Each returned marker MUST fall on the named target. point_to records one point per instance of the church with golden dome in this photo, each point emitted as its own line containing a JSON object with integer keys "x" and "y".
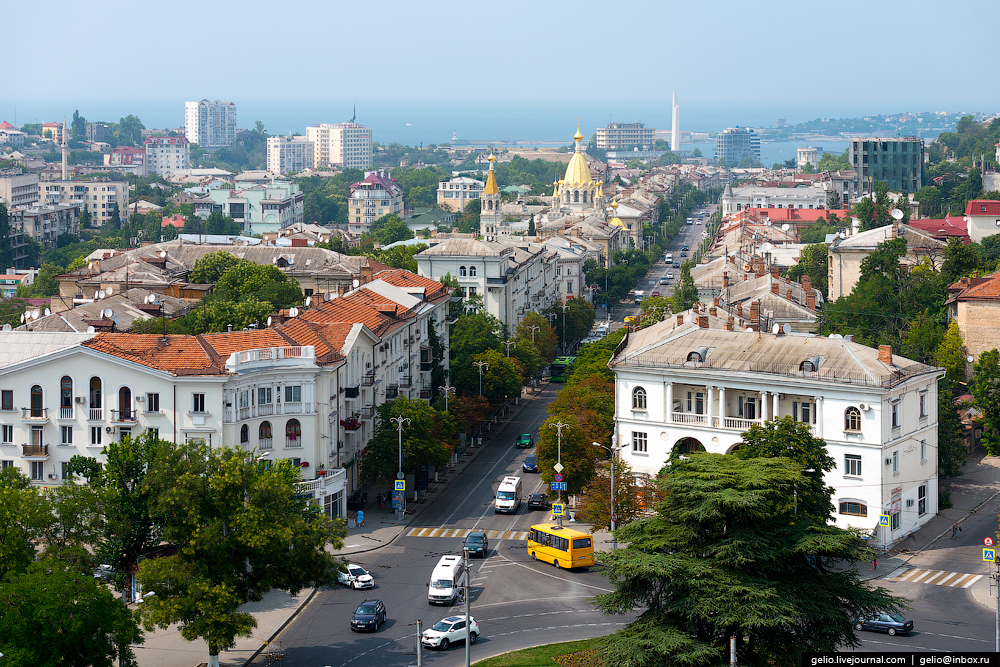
{"x": 578, "y": 192}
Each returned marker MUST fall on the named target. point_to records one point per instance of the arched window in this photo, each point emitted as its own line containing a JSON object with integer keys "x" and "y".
{"x": 66, "y": 393}
{"x": 853, "y": 507}
{"x": 244, "y": 434}
{"x": 36, "y": 401}
{"x": 638, "y": 398}
{"x": 576, "y": 196}
{"x": 125, "y": 404}
{"x": 807, "y": 366}
{"x": 95, "y": 398}
{"x": 293, "y": 433}
{"x": 461, "y": 272}
{"x": 264, "y": 435}
{"x": 695, "y": 356}
{"x": 852, "y": 419}
{"x": 472, "y": 272}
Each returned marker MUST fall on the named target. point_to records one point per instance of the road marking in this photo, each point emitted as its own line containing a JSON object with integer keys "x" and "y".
{"x": 936, "y": 577}
{"x": 520, "y": 535}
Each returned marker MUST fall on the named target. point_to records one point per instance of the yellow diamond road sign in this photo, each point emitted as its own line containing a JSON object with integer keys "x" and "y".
{"x": 400, "y": 485}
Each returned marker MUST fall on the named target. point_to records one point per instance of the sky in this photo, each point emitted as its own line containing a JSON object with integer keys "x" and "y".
{"x": 498, "y": 66}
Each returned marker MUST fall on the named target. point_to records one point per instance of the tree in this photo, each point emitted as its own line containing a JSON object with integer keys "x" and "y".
{"x": 473, "y": 334}
{"x": 24, "y": 517}
{"x": 220, "y": 224}
{"x": 951, "y": 431}
{"x": 986, "y": 392}
{"x": 725, "y": 556}
{"x": 44, "y": 284}
{"x": 596, "y": 507}
{"x": 249, "y": 281}
{"x": 959, "y": 260}
{"x": 833, "y": 201}
{"x": 6, "y": 249}
{"x": 578, "y": 455}
{"x": 531, "y": 226}
{"x": 116, "y": 218}
{"x": 209, "y": 268}
{"x": 426, "y": 440}
{"x": 930, "y": 201}
{"x": 592, "y": 400}
{"x": 814, "y": 263}
{"x": 219, "y": 315}
{"x": 391, "y": 228}
{"x": 951, "y": 354}
{"x": 79, "y": 126}
{"x": 241, "y": 530}
{"x": 696, "y": 153}
{"x": 685, "y": 293}
{"x": 544, "y": 338}
{"x": 130, "y": 130}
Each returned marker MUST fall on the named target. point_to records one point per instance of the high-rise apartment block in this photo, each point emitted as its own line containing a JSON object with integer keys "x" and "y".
{"x": 289, "y": 155}
{"x": 618, "y": 136}
{"x": 167, "y": 155}
{"x": 97, "y": 197}
{"x": 344, "y": 145}
{"x": 18, "y": 188}
{"x": 210, "y": 124}
{"x": 896, "y": 161}
{"x": 735, "y": 143}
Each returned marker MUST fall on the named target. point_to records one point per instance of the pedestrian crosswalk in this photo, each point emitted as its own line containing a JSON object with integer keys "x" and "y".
{"x": 462, "y": 532}
{"x": 937, "y": 578}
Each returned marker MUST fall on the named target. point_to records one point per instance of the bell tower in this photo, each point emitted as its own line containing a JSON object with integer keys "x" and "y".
{"x": 490, "y": 217}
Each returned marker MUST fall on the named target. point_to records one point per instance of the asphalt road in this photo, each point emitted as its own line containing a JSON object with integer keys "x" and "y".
{"x": 517, "y": 601}
{"x": 689, "y": 235}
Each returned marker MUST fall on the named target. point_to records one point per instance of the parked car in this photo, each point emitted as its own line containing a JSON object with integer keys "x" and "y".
{"x": 449, "y": 630}
{"x": 477, "y": 543}
{"x": 356, "y": 577}
{"x": 530, "y": 464}
{"x": 368, "y": 616}
{"x": 538, "y": 501}
{"x": 524, "y": 441}
{"x": 891, "y": 623}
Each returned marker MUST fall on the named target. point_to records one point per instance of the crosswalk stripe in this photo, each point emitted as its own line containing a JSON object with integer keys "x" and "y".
{"x": 938, "y": 578}
{"x": 973, "y": 580}
{"x": 516, "y": 535}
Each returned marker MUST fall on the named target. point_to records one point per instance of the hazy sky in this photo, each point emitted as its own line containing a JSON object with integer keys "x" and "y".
{"x": 749, "y": 59}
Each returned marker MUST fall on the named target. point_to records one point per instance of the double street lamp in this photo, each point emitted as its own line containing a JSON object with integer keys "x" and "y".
{"x": 481, "y": 365}
{"x": 613, "y": 451}
{"x": 447, "y": 389}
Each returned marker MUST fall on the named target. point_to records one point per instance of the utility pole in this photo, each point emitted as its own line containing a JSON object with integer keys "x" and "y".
{"x": 420, "y": 646}
{"x": 564, "y": 307}
{"x": 559, "y": 426}
{"x": 468, "y": 608}
{"x": 401, "y": 510}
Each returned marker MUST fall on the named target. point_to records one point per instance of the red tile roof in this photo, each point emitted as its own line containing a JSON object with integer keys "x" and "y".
{"x": 975, "y": 288}
{"x": 403, "y": 279}
{"x": 226, "y": 343}
{"x": 983, "y": 207}
{"x": 6, "y": 126}
{"x": 179, "y": 355}
{"x": 176, "y": 220}
{"x": 952, "y": 226}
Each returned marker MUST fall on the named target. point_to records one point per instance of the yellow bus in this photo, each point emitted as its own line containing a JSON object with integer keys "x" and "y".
{"x": 561, "y": 546}
{"x": 631, "y": 319}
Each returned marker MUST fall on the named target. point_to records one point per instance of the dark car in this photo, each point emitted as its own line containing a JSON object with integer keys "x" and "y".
{"x": 368, "y": 616}
{"x": 676, "y": 265}
{"x": 524, "y": 441}
{"x": 684, "y": 254}
{"x": 530, "y": 464}
{"x": 891, "y": 623}
{"x": 477, "y": 543}
{"x": 684, "y": 248}
{"x": 538, "y": 501}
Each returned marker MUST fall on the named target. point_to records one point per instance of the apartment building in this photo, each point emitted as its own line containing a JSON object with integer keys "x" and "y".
{"x": 259, "y": 208}
{"x": 127, "y": 159}
{"x": 683, "y": 387}
{"x": 210, "y": 124}
{"x": 456, "y": 193}
{"x": 18, "y": 188}
{"x": 896, "y": 161}
{"x": 752, "y": 196}
{"x": 56, "y": 131}
{"x": 167, "y": 155}
{"x": 344, "y": 145}
{"x": 620, "y": 136}
{"x": 289, "y": 155}
{"x": 370, "y": 199}
{"x": 735, "y": 143}
{"x": 98, "y": 132}
{"x": 97, "y": 197}
{"x": 44, "y": 223}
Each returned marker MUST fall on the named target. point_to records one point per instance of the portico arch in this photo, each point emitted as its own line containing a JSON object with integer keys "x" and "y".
{"x": 688, "y": 445}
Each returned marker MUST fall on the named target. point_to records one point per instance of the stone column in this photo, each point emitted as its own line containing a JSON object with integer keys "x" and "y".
{"x": 819, "y": 416}
{"x": 710, "y": 391}
{"x": 775, "y": 407}
{"x": 763, "y": 407}
{"x": 668, "y": 392}
{"x": 722, "y": 407}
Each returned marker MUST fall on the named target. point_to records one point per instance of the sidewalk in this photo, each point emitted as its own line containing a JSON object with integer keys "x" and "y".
{"x": 166, "y": 648}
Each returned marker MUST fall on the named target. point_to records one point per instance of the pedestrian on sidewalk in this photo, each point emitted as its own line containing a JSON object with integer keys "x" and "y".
{"x": 875, "y": 562}
{"x": 378, "y": 501}
{"x": 954, "y": 530}
{"x": 361, "y": 518}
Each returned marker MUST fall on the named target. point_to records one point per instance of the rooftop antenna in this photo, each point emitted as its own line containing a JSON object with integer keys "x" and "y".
{"x": 355, "y": 114}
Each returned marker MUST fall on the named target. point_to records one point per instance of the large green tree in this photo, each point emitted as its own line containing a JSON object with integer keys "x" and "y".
{"x": 534, "y": 329}
{"x": 578, "y": 456}
{"x": 240, "y": 529}
{"x": 390, "y": 228}
{"x": 596, "y": 508}
{"x": 24, "y": 517}
{"x": 426, "y": 440}
{"x": 685, "y": 293}
{"x": 724, "y": 556}
{"x": 814, "y": 263}
{"x": 209, "y": 268}
{"x": 986, "y": 392}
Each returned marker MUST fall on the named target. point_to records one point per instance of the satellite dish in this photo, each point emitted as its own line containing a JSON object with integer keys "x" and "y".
{"x": 268, "y": 320}
{"x": 897, "y": 214}
{"x": 163, "y": 253}
{"x": 111, "y": 290}
{"x": 117, "y": 320}
{"x": 47, "y": 312}
{"x": 766, "y": 247}
{"x": 91, "y": 330}
{"x": 293, "y": 311}
{"x": 786, "y": 328}
{"x": 102, "y": 294}
{"x": 96, "y": 296}
{"x": 775, "y": 329}
{"x": 6, "y": 327}
{"x": 327, "y": 296}
{"x": 108, "y": 312}
{"x": 35, "y": 314}
{"x": 767, "y": 223}
{"x": 308, "y": 301}
{"x": 785, "y": 226}
{"x": 22, "y": 318}
{"x": 356, "y": 282}
{"x": 970, "y": 358}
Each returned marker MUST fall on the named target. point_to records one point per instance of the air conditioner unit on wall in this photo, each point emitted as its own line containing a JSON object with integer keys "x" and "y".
{"x": 909, "y": 502}
{"x": 81, "y": 399}
{"x": 110, "y": 429}
{"x": 52, "y": 475}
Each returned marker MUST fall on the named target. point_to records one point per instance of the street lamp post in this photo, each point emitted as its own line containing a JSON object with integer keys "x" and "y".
{"x": 564, "y": 307}
{"x": 401, "y": 510}
{"x": 447, "y": 389}
{"x": 481, "y": 365}
{"x": 614, "y": 517}
{"x": 559, "y": 426}
{"x": 509, "y": 344}
{"x": 533, "y": 328}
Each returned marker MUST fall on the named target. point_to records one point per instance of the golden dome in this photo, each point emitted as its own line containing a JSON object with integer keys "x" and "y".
{"x": 617, "y": 223}
{"x": 578, "y": 136}
{"x": 578, "y": 171}
{"x": 491, "y": 187}
{"x": 491, "y": 158}
{"x": 614, "y": 205}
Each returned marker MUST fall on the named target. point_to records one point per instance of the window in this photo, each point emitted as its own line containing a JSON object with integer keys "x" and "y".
{"x": 923, "y": 403}
{"x": 66, "y": 435}
{"x": 638, "y": 398}
{"x": 264, "y": 396}
{"x": 7, "y": 399}
{"x": 639, "y": 442}
{"x": 806, "y": 412}
{"x": 66, "y": 393}
{"x": 8, "y": 434}
{"x": 153, "y": 433}
{"x": 293, "y": 393}
{"x": 295, "y": 461}
{"x": 462, "y": 272}
{"x": 852, "y": 419}
{"x": 6, "y": 464}
{"x": 152, "y": 402}
{"x": 293, "y": 433}
{"x": 472, "y": 272}
{"x": 699, "y": 403}
{"x": 95, "y": 435}
{"x": 689, "y": 401}
{"x": 198, "y": 403}
{"x": 894, "y": 521}
{"x": 895, "y": 416}
{"x": 36, "y": 401}
{"x": 852, "y": 465}
{"x": 37, "y": 470}
{"x": 921, "y": 500}
{"x": 244, "y": 434}
{"x": 746, "y": 407}
{"x": 66, "y": 474}
{"x": 895, "y": 463}
{"x": 853, "y": 508}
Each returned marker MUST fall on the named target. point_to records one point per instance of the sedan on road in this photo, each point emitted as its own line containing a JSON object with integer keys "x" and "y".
{"x": 891, "y": 623}
{"x": 477, "y": 544}
{"x": 368, "y": 616}
{"x": 530, "y": 464}
{"x": 356, "y": 577}
{"x": 449, "y": 630}
{"x": 524, "y": 441}
{"x": 538, "y": 501}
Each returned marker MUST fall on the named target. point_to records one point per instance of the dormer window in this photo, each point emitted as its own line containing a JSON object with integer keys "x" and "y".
{"x": 810, "y": 365}
{"x": 695, "y": 356}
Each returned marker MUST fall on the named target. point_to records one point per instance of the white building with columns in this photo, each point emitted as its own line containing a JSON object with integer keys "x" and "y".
{"x": 682, "y": 387}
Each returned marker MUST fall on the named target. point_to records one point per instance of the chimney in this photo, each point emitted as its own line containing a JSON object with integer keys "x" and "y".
{"x": 759, "y": 273}
{"x": 695, "y": 307}
{"x": 366, "y": 273}
{"x": 680, "y": 319}
{"x": 885, "y": 354}
{"x": 807, "y": 282}
{"x": 894, "y": 232}
{"x": 703, "y": 321}
{"x": 811, "y": 300}
{"x": 788, "y": 295}
{"x": 739, "y": 309}
{"x": 755, "y": 311}
{"x": 725, "y": 279}
{"x": 774, "y": 272}
{"x": 788, "y": 280}
{"x": 713, "y": 311}
{"x": 729, "y": 324}
{"x": 718, "y": 301}
{"x": 774, "y": 288}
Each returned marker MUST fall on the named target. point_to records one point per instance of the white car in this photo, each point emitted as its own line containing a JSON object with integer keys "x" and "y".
{"x": 356, "y": 577}
{"x": 449, "y": 630}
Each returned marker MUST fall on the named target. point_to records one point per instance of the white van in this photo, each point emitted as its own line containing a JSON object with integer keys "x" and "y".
{"x": 446, "y": 580}
{"x": 508, "y": 495}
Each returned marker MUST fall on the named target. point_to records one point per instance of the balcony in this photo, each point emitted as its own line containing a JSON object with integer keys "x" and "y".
{"x": 35, "y": 415}
{"x": 264, "y": 409}
{"x": 425, "y": 394}
{"x": 368, "y": 379}
{"x": 123, "y": 416}
{"x": 35, "y": 451}
{"x": 689, "y": 418}
{"x": 738, "y": 423}
{"x": 95, "y": 415}
{"x": 368, "y": 412}
{"x": 66, "y": 413}
{"x": 352, "y": 392}
{"x": 391, "y": 391}
{"x": 265, "y": 443}
{"x": 406, "y": 382}
{"x": 293, "y": 441}
{"x": 351, "y": 423}
{"x": 426, "y": 366}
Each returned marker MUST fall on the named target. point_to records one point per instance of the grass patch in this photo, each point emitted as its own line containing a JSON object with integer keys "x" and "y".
{"x": 568, "y": 654}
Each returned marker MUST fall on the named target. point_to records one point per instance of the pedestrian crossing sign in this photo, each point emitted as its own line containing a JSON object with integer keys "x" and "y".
{"x": 989, "y": 555}
{"x": 558, "y": 509}
{"x": 883, "y": 519}
{"x": 400, "y": 485}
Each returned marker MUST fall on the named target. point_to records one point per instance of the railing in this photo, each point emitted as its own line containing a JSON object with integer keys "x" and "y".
{"x": 688, "y": 418}
{"x": 392, "y": 391}
{"x": 368, "y": 379}
{"x": 425, "y": 393}
{"x": 291, "y": 407}
{"x": 738, "y": 423}
{"x": 368, "y": 412}
{"x": 65, "y": 413}
{"x": 265, "y": 409}
{"x": 34, "y": 450}
{"x": 264, "y": 443}
{"x": 244, "y": 412}
{"x": 96, "y": 415}
{"x": 352, "y": 424}
{"x": 293, "y": 441}
{"x": 123, "y": 415}
{"x": 40, "y": 414}
{"x": 406, "y": 382}
{"x": 352, "y": 392}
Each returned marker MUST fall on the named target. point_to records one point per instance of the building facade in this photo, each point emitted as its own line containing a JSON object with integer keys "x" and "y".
{"x": 982, "y": 218}
{"x": 259, "y": 208}
{"x": 44, "y": 223}
{"x": 98, "y": 132}
{"x": 127, "y": 159}
{"x": 18, "y": 188}
{"x": 752, "y": 196}
{"x": 344, "y": 145}
{"x": 210, "y": 124}
{"x": 735, "y": 143}
{"x": 167, "y": 155}
{"x": 682, "y": 387}
{"x": 455, "y": 194}
{"x": 289, "y": 155}
{"x": 97, "y": 197}
{"x": 896, "y": 161}
{"x": 620, "y": 136}
{"x": 370, "y": 199}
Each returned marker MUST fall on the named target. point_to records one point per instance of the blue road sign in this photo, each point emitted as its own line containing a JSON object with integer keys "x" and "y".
{"x": 989, "y": 555}
{"x": 559, "y": 486}
{"x": 558, "y": 476}
{"x": 883, "y": 519}
{"x": 400, "y": 485}
{"x": 558, "y": 509}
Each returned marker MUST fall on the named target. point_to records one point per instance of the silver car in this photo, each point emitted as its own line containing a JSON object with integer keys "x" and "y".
{"x": 449, "y": 630}
{"x": 356, "y": 577}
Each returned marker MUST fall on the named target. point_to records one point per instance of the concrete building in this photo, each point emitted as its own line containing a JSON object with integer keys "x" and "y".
{"x": 44, "y": 223}
{"x": 807, "y": 155}
{"x": 127, "y": 159}
{"x": 455, "y": 194}
{"x": 371, "y": 198}
{"x": 896, "y": 161}
{"x": 56, "y": 132}
{"x": 259, "y": 208}
{"x": 982, "y": 217}
{"x": 622, "y": 136}
{"x": 18, "y": 188}
{"x": 12, "y": 137}
{"x": 974, "y": 305}
{"x": 735, "y": 143}
{"x": 752, "y": 196}
{"x": 289, "y": 155}
{"x": 97, "y": 197}
{"x": 210, "y": 124}
{"x": 98, "y": 132}
{"x": 344, "y": 145}
{"x": 167, "y": 155}
{"x": 682, "y": 387}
